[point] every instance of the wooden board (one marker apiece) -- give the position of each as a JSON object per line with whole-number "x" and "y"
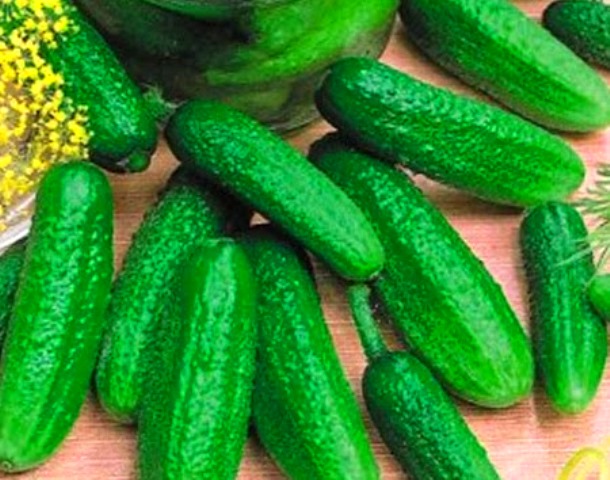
{"x": 528, "y": 442}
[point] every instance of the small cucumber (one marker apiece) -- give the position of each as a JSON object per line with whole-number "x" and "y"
{"x": 493, "y": 45}
{"x": 304, "y": 410}
{"x": 583, "y": 25}
{"x": 464, "y": 143}
{"x": 415, "y": 417}
{"x": 440, "y": 297}
{"x": 569, "y": 337}
{"x": 11, "y": 263}
{"x": 196, "y": 406}
{"x": 245, "y": 157}
{"x": 183, "y": 218}
{"x": 58, "y": 317}
{"x": 599, "y": 295}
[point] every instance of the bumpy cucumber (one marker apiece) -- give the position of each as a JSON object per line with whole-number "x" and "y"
{"x": 123, "y": 132}
{"x": 569, "y": 337}
{"x": 304, "y": 411}
{"x": 11, "y": 263}
{"x": 599, "y": 295}
{"x": 184, "y": 217}
{"x": 415, "y": 417}
{"x": 583, "y": 25}
{"x": 458, "y": 141}
{"x": 494, "y": 46}
{"x": 196, "y": 406}
{"x": 58, "y": 316}
{"x": 263, "y": 170}
{"x": 439, "y": 295}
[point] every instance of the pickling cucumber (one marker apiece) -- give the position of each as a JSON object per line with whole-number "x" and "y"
{"x": 58, "y": 317}
{"x": 196, "y": 405}
{"x": 439, "y": 296}
{"x": 11, "y": 263}
{"x": 464, "y": 143}
{"x": 304, "y": 411}
{"x": 258, "y": 166}
{"x": 570, "y": 340}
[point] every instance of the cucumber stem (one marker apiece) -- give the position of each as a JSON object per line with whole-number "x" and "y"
{"x": 359, "y": 298}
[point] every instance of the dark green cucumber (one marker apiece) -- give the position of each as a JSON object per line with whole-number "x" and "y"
{"x": 583, "y": 25}
{"x": 196, "y": 406}
{"x": 570, "y": 339}
{"x": 599, "y": 295}
{"x": 11, "y": 262}
{"x": 493, "y": 45}
{"x": 304, "y": 410}
{"x": 58, "y": 317}
{"x": 123, "y": 132}
{"x": 438, "y": 294}
{"x": 415, "y": 417}
{"x": 464, "y": 143}
{"x": 266, "y": 172}
{"x": 185, "y": 216}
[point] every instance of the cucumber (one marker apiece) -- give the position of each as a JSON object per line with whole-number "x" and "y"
{"x": 185, "y": 216}
{"x": 495, "y": 47}
{"x": 599, "y": 295}
{"x": 304, "y": 411}
{"x": 196, "y": 406}
{"x": 461, "y": 142}
{"x": 58, "y": 317}
{"x": 11, "y": 263}
{"x": 415, "y": 417}
{"x": 583, "y": 25}
{"x": 138, "y": 27}
{"x": 243, "y": 156}
{"x": 570, "y": 339}
{"x": 440, "y": 297}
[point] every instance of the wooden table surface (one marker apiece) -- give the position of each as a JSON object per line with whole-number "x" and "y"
{"x": 527, "y": 442}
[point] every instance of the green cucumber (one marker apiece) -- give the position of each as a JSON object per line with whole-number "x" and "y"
{"x": 263, "y": 170}
{"x": 138, "y": 27}
{"x": 599, "y": 295}
{"x": 304, "y": 411}
{"x": 415, "y": 417}
{"x": 570, "y": 339}
{"x": 11, "y": 263}
{"x": 185, "y": 216}
{"x": 458, "y": 141}
{"x": 440, "y": 297}
{"x": 196, "y": 406}
{"x": 583, "y": 25}
{"x": 493, "y": 46}
{"x": 58, "y": 317}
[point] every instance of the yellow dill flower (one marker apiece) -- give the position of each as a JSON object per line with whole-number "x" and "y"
{"x": 39, "y": 125}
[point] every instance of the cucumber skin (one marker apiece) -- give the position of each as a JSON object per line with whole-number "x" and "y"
{"x": 304, "y": 411}
{"x": 58, "y": 317}
{"x": 584, "y": 26}
{"x": 256, "y": 165}
{"x": 124, "y": 133}
{"x": 184, "y": 217}
{"x": 599, "y": 295}
{"x": 196, "y": 407}
{"x": 570, "y": 339}
{"x": 439, "y": 295}
{"x": 419, "y": 422}
{"x": 461, "y": 142}
{"x": 495, "y": 47}
{"x": 11, "y": 263}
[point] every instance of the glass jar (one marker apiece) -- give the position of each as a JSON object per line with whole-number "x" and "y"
{"x": 264, "y": 57}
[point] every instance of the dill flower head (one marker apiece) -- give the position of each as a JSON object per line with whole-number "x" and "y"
{"x": 39, "y": 125}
